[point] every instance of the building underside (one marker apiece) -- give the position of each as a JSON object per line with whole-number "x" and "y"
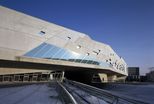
{"x": 28, "y": 68}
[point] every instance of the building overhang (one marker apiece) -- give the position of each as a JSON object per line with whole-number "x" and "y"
{"x": 57, "y": 65}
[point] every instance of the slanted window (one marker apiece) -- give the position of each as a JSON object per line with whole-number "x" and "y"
{"x": 41, "y": 32}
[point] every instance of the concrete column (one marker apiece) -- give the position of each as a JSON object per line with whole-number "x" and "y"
{"x": 121, "y": 79}
{"x": 62, "y": 78}
{"x": 112, "y": 78}
{"x": 103, "y": 77}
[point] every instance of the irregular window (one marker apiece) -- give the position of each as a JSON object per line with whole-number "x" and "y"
{"x": 96, "y": 53}
{"x": 78, "y": 47}
{"x": 41, "y": 32}
{"x": 87, "y": 54}
{"x": 109, "y": 59}
{"x": 69, "y": 37}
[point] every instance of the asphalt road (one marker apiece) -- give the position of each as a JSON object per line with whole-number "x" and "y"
{"x": 29, "y": 94}
{"x": 145, "y": 92}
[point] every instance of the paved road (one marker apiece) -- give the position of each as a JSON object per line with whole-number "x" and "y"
{"x": 47, "y": 94}
{"x": 144, "y": 92}
{"x": 43, "y": 94}
{"x": 84, "y": 97}
{"x": 29, "y": 94}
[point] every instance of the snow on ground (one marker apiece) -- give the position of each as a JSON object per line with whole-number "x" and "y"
{"x": 29, "y": 94}
{"x": 144, "y": 92}
{"x": 88, "y": 98}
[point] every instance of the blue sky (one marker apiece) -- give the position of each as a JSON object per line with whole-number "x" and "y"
{"x": 126, "y": 25}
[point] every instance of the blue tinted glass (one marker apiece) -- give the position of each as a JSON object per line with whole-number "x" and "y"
{"x": 48, "y": 52}
{"x": 35, "y": 50}
{"x": 53, "y": 52}
{"x": 79, "y": 58}
{"x": 89, "y": 60}
{"x": 84, "y": 60}
{"x": 104, "y": 64}
{"x": 59, "y": 53}
{"x": 74, "y": 55}
{"x": 67, "y": 55}
{"x": 92, "y": 60}
{"x": 42, "y": 51}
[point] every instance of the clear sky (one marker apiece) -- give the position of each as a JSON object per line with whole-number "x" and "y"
{"x": 126, "y": 25}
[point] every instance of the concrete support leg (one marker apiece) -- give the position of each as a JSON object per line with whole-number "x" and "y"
{"x": 103, "y": 77}
{"x": 112, "y": 78}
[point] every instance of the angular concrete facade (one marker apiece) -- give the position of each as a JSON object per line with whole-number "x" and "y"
{"x": 24, "y": 38}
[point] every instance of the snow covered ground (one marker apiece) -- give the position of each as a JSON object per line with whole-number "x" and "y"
{"x": 41, "y": 94}
{"x": 144, "y": 92}
{"x": 29, "y": 94}
{"x": 84, "y": 97}
{"x": 45, "y": 94}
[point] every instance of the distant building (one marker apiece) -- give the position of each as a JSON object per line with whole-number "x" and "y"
{"x": 150, "y": 75}
{"x": 133, "y": 71}
{"x": 133, "y": 74}
{"x": 143, "y": 78}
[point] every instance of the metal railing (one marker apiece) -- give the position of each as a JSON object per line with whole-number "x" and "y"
{"x": 24, "y": 77}
{"x": 104, "y": 95}
{"x": 66, "y": 97}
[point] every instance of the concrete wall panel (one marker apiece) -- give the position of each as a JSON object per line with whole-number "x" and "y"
{"x": 20, "y": 33}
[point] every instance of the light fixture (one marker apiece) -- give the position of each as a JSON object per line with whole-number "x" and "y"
{"x": 78, "y": 46}
{"x": 87, "y": 54}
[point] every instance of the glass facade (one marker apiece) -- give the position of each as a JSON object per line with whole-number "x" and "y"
{"x": 48, "y": 51}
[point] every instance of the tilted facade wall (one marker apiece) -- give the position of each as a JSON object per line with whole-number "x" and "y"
{"x": 21, "y": 33}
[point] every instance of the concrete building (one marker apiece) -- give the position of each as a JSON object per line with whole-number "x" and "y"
{"x": 150, "y": 75}
{"x": 31, "y": 45}
{"x": 143, "y": 78}
{"x": 133, "y": 74}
